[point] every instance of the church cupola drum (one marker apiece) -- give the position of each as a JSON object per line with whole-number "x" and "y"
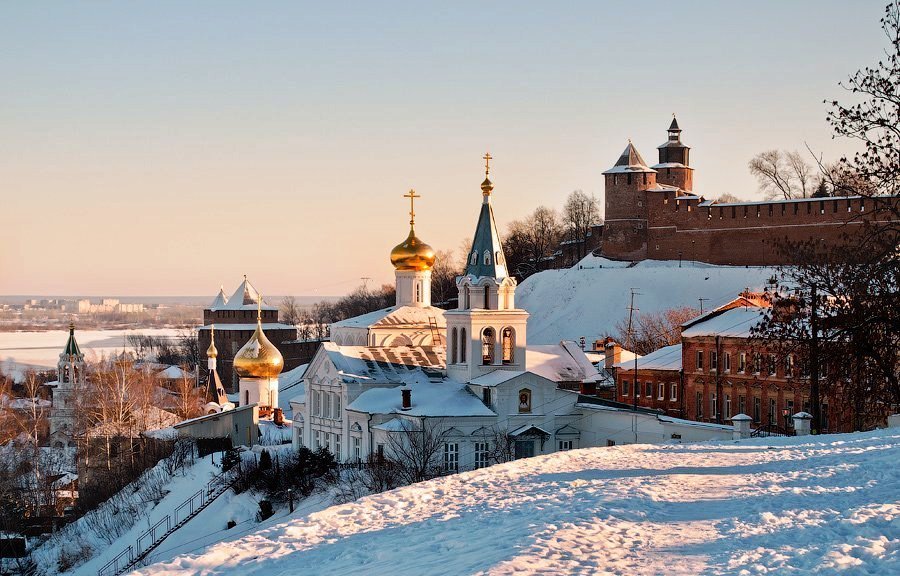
{"x": 413, "y": 260}
{"x": 258, "y": 364}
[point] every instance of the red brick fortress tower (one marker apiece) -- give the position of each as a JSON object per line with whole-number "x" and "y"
{"x": 674, "y": 168}
{"x": 625, "y": 225}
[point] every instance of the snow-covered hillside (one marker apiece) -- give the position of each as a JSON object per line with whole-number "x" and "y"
{"x": 588, "y": 299}
{"x": 810, "y": 505}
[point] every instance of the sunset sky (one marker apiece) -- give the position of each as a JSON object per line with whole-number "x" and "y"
{"x": 165, "y": 148}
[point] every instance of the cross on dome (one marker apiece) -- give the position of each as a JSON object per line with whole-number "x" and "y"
{"x": 487, "y": 163}
{"x": 412, "y": 205}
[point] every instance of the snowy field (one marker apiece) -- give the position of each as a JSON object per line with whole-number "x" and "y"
{"x": 591, "y": 297}
{"x": 40, "y": 350}
{"x": 826, "y": 505}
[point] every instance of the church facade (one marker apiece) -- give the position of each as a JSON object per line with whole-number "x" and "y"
{"x": 652, "y": 212}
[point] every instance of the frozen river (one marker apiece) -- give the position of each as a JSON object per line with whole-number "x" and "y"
{"x": 40, "y": 350}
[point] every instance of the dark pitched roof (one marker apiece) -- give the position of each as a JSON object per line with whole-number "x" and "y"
{"x": 629, "y": 161}
{"x": 673, "y": 127}
{"x": 489, "y": 260}
{"x": 72, "y": 348}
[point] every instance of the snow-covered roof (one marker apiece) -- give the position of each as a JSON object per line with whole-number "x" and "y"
{"x": 396, "y": 425}
{"x": 563, "y": 362}
{"x": 394, "y": 316}
{"x": 190, "y": 421}
{"x": 662, "y": 187}
{"x": 25, "y": 403}
{"x": 142, "y": 421}
{"x": 629, "y": 161}
{"x": 662, "y": 165}
{"x": 496, "y": 378}
{"x": 173, "y": 373}
{"x": 436, "y": 399}
{"x": 291, "y": 387}
{"x": 736, "y": 322}
{"x": 372, "y": 364}
{"x": 666, "y": 358}
{"x": 245, "y": 297}
{"x": 220, "y": 300}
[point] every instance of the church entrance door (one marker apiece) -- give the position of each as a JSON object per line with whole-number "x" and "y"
{"x": 524, "y": 449}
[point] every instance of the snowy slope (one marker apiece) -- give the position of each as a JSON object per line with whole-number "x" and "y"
{"x": 823, "y": 505}
{"x": 589, "y": 298}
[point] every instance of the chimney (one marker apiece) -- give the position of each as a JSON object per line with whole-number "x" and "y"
{"x": 589, "y": 388}
{"x": 278, "y": 418}
{"x": 407, "y": 399}
{"x": 613, "y": 354}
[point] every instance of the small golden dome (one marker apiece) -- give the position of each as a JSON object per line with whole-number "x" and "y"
{"x": 258, "y": 358}
{"x": 486, "y": 187}
{"x": 211, "y": 352}
{"x": 412, "y": 254}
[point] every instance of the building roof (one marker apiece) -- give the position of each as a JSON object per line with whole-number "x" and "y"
{"x": 433, "y": 399}
{"x": 489, "y": 260}
{"x": 395, "y": 316}
{"x": 220, "y": 300}
{"x": 563, "y": 362}
{"x": 395, "y": 365}
{"x": 72, "y": 348}
{"x": 733, "y": 322}
{"x": 245, "y": 297}
{"x": 214, "y": 415}
{"x": 666, "y": 358}
{"x": 629, "y": 161}
{"x": 249, "y": 326}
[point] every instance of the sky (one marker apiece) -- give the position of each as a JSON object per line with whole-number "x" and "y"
{"x": 168, "y": 148}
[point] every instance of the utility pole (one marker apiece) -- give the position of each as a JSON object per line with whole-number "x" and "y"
{"x": 631, "y": 310}
{"x": 814, "y": 363}
{"x": 701, "y": 303}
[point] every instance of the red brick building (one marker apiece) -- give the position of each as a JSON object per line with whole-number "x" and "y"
{"x": 718, "y": 372}
{"x": 653, "y": 213}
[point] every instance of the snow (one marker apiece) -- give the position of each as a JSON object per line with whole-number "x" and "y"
{"x": 291, "y": 388}
{"x": 807, "y": 505}
{"x": 439, "y": 399}
{"x": 395, "y": 316}
{"x": 173, "y": 373}
{"x": 562, "y": 362}
{"x": 20, "y": 351}
{"x": 590, "y": 298}
{"x": 736, "y": 322}
{"x": 666, "y": 358}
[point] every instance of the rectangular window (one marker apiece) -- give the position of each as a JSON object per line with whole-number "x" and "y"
{"x": 772, "y": 419}
{"x": 357, "y": 448}
{"x": 610, "y": 442}
{"x": 337, "y": 406}
{"x": 772, "y": 365}
{"x": 316, "y": 405}
{"x": 727, "y": 360}
{"x": 565, "y": 445}
{"x": 481, "y": 454}
{"x": 317, "y": 439}
{"x": 379, "y": 452}
{"x": 337, "y": 448}
{"x": 662, "y": 391}
{"x": 326, "y": 404}
{"x": 757, "y": 363}
{"x": 699, "y": 405}
{"x": 451, "y": 457}
{"x": 788, "y": 417}
{"x": 674, "y": 395}
{"x": 789, "y": 366}
{"x": 648, "y": 389}
{"x": 742, "y": 362}
{"x": 756, "y": 410}
{"x": 624, "y": 387}
{"x": 714, "y": 361}
{"x": 727, "y": 406}
{"x": 699, "y": 359}
{"x": 713, "y": 405}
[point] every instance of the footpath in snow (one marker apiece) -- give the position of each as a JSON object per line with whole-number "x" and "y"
{"x": 592, "y": 296}
{"x": 810, "y": 505}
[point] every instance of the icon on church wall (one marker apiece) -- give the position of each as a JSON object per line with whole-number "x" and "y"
{"x": 524, "y": 400}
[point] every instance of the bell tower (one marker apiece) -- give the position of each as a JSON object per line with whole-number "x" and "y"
{"x": 674, "y": 160}
{"x": 70, "y": 380}
{"x": 486, "y": 332}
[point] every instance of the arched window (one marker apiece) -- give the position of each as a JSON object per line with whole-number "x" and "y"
{"x": 474, "y": 259}
{"x": 466, "y": 298}
{"x": 524, "y": 401}
{"x": 487, "y": 298}
{"x": 509, "y": 345}
{"x": 453, "y": 344}
{"x": 488, "y": 338}
{"x": 487, "y": 258}
{"x": 418, "y": 292}
{"x": 462, "y": 345}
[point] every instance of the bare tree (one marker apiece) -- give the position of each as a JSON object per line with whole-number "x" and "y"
{"x": 655, "y": 330}
{"x": 782, "y": 174}
{"x": 187, "y": 396}
{"x": 291, "y": 312}
{"x": 728, "y": 198}
{"x": 443, "y": 278}
{"x": 579, "y": 214}
{"x": 415, "y": 451}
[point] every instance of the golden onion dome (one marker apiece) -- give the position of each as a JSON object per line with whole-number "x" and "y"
{"x": 211, "y": 352}
{"x": 412, "y": 254}
{"x": 258, "y": 358}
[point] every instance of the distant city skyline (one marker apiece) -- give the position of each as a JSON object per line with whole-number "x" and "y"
{"x": 169, "y": 148}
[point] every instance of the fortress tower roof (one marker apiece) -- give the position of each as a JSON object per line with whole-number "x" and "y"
{"x": 629, "y": 161}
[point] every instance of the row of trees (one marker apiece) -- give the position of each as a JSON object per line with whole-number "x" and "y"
{"x": 845, "y": 303}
